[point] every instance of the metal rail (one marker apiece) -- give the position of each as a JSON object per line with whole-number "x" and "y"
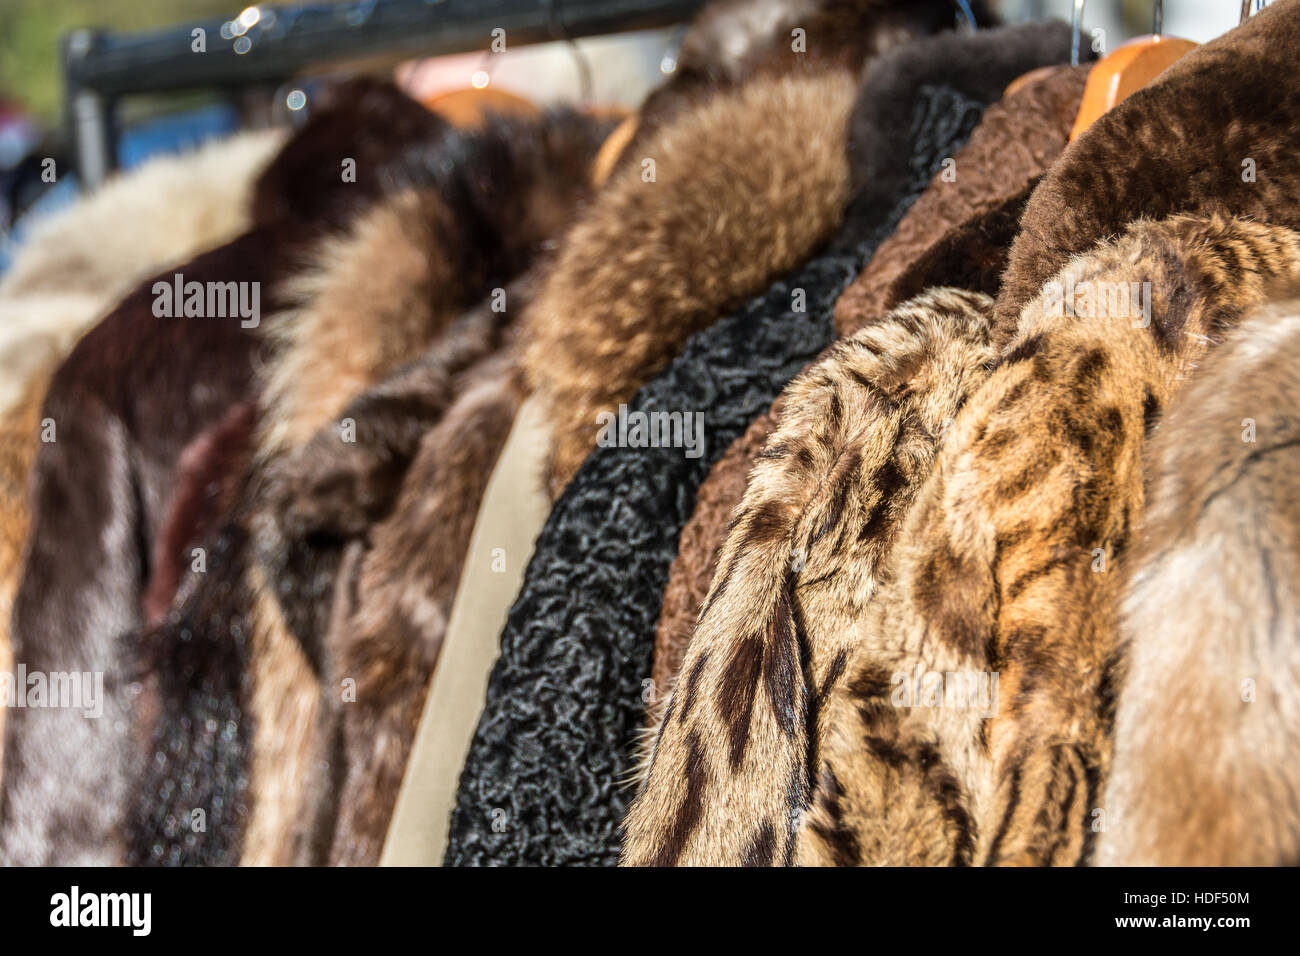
{"x": 270, "y": 43}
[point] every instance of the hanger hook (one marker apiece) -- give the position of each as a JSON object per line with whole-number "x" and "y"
{"x": 967, "y": 14}
{"x": 560, "y": 32}
{"x": 1076, "y": 27}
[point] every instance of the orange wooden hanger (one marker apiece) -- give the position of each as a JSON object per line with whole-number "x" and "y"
{"x": 469, "y": 107}
{"x": 1124, "y": 71}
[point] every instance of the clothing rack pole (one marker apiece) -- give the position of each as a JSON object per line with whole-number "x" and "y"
{"x": 276, "y": 42}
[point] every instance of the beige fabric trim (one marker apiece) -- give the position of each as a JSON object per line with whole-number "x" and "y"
{"x": 510, "y": 518}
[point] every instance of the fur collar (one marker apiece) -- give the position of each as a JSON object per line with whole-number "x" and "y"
{"x": 606, "y": 321}
{"x": 1215, "y": 133}
{"x": 732, "y": 42}
{"x": 735, "y": 199}
{"x": 377, "y": 295}
{"x": 1018, "y": 139}
{"x": 976, "y": 63}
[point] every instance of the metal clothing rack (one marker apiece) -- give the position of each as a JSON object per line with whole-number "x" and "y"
{"x": 270, "y": 43}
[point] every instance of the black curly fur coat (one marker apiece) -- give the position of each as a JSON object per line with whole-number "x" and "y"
{"x": 554, "y": 745}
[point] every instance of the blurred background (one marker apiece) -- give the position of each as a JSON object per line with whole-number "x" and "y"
{"x": 41, "y": 119}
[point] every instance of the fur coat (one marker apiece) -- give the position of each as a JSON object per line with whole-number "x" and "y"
{"x": 1204, "y": 769}
{"x": 957, "y": 234}
{"x": 75, "y": 266}
{"x": 552, "y": 749}
{"x": 916, "y": 516}
{"x": 126, "y": 401}
{"x": 247, "y": 646}
{"x": 79, "y": 262}
{"x": 866, "y": 781}
{"x": 1231, "y": 120}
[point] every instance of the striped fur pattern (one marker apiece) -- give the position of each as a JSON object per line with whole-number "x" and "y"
{"x": 1206, "y": 770}
{"x": 727, "y": 780}
{"x": 1010, "y": 562}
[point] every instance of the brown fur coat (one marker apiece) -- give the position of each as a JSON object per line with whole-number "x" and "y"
{"x": 132, "y": 394}
{"x": 1214, "y": 133}
{"x": 1206, "y": 747}
{"x": 325, "y": 473}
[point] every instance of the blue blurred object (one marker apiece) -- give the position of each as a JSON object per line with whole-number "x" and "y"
{"x": 174, "y": 133}
{"x": 168, "y": 134}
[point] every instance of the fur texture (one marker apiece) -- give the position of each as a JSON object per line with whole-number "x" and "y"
{"x": 691, "y": 572}
{"x": 1010, "y": 562}
{"x": 208, "y": 480}
{"x": 1017, "y": 140}
{"x": 788, "y": 678}
{"x": 128, "y": 399}
{"x": 732, "y": 42}
{"x": 957, "y": 234}
{"x": 1205, "y": 763}
{"x": 1188, "y": 142}
{"x": 608, "y": 318}
{"x": 492, "y": 199}
{"x": 428, "y": 437}
{"x": 856, "y": 440}
{"x": 389, "y": 638}
{"x": 19, "y": 439}
{"x": 96, "y": 493}
{"x": 554, "y": 744}
{"x": 78, "y": 263}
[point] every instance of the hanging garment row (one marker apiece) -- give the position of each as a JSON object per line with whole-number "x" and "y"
{"x": 875, "y": 449}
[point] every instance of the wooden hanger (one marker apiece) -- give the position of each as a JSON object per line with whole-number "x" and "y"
{"x": 470, "y": 106}
{"x": 1126, "y": 70}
